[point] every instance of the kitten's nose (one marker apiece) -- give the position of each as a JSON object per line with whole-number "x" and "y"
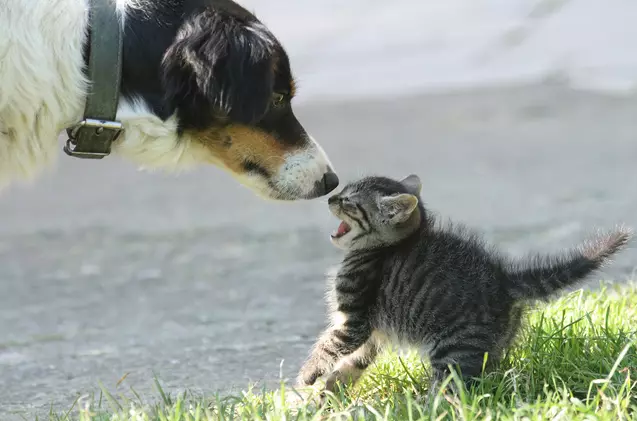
{"x": 332, "y": 200}
{"x": 330, "y": 181}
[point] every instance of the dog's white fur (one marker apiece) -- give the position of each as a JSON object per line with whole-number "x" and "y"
{"x": 43, "y": 91}
{"x": 42, "y": 86}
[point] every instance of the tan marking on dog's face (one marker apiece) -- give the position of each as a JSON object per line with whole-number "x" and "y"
{"x": 292, "y": 88}
{"x": 234, "y": 146}
{"x": 273, "y": 168}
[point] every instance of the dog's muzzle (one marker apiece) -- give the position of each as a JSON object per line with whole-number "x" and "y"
{"x": 325, "y": 185}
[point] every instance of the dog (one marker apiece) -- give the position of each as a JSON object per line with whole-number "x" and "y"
{"x": 202, "y": 82}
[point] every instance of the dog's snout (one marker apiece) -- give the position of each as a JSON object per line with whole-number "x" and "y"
{"x": 330, "y": 181}
{"x": 306, "y": 174}
{"x": 326, "y": 184}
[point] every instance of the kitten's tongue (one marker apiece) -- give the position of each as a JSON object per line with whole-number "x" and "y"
{"x": 343, "y": 229}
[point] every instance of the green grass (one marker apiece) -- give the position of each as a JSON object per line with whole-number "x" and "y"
{"x": 576, "y": 360}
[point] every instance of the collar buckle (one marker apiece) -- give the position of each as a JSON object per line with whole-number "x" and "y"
{"x": 92, "y": 139}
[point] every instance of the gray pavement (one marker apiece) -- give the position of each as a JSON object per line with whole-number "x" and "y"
{"x": 105, "y": 270}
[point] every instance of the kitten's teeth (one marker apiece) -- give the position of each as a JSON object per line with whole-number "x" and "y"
{"x": 343, "y": 229}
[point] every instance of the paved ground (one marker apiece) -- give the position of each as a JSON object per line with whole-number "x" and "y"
{"x": 106, "y": 271}
{"x": 371, "y": 48}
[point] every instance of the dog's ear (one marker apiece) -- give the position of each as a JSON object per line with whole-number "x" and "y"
{"x": 220, "y": 65}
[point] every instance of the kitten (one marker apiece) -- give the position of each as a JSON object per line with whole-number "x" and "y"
{"x": 407, "y": 280}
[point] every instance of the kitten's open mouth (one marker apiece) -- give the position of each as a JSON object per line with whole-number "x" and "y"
{"x": 342, "y": 229}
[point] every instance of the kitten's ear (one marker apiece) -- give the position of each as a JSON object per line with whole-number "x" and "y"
{"x": 412, "y": 183}
{"x": 398, "y": 208}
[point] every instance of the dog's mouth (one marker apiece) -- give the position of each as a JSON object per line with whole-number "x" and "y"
{"x": 342, "y": 229}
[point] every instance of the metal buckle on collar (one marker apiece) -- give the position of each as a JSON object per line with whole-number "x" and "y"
{"x": 92, "y": 139}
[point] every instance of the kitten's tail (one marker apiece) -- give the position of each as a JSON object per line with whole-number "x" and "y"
{"x": 544, "y": 275}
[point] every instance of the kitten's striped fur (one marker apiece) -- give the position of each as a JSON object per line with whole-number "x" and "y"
{"x": 407, "y": 279}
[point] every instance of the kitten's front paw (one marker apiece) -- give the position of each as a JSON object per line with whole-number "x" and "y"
{"x": 309, "y": 374}
{"x": 347, "y": 375}
{"x": 331, "y": 382}
{"x": 335, "y": 384}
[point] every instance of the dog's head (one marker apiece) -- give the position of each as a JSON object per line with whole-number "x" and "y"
{"x": 230, "y": 83}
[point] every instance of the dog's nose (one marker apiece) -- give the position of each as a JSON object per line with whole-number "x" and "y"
{"x": 330, "y": 181}
{"x": 326, "y": 184}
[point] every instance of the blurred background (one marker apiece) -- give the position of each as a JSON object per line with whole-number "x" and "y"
{"x": 520, "y": 117}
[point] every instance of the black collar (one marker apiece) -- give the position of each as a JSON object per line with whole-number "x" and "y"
{"x": 92, "y": 137}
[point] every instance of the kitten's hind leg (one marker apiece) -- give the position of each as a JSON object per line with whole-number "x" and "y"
{"x": 467, "y": 364}
{"x": 349, "y": 369}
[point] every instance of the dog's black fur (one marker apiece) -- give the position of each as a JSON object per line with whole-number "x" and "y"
{"x": 223, "y": 74}
{"x": 203, "y": 82}
{"x": 213, "y": 63}
{"x": 185, "y": 55}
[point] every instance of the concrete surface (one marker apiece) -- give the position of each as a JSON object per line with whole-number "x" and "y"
{"x": 193, "y": 278}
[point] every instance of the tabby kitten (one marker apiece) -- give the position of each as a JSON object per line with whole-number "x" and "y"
{"x": 408, "y": 280}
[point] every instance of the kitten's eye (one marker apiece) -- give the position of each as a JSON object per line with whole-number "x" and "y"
{"x": 278, "y": 99}
{"x": 348, "y": 205}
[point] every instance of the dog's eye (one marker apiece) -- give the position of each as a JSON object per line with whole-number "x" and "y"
{"x": 277, "y": 99}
